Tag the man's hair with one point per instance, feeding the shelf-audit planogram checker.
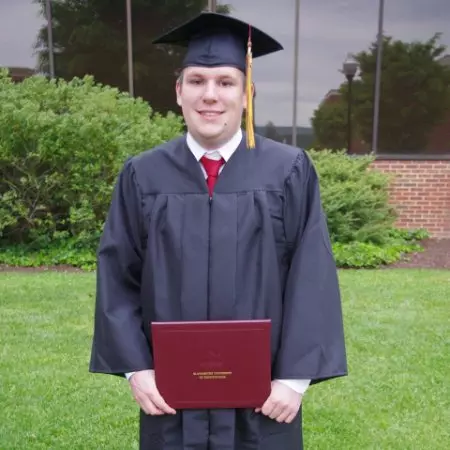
(180, 78)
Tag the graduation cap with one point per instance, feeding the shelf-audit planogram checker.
(214, 40)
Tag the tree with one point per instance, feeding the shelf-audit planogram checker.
(330, 126)
(271, 132)
(90, 37)
(414, 96)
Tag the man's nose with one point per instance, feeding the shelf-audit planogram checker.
(210, 93)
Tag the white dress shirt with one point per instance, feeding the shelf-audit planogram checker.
(225, 152)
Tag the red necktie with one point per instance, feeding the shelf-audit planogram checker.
(212, 168)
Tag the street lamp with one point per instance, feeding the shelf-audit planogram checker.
(349, 69)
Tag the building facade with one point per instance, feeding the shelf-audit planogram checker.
(396, 107)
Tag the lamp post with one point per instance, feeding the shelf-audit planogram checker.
(51, 63)
(349, 68)
(130, 49)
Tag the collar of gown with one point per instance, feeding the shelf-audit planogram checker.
(225, 152)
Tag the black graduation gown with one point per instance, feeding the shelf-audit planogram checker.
(258, 249)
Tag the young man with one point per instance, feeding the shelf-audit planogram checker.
(211, 226)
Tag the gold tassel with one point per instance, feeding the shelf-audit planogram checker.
(249, 92)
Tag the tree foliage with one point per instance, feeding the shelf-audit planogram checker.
(271, 132)
(90, 38)
(330, 125)
(414, 97)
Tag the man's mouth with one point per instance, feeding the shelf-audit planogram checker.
(210, 114)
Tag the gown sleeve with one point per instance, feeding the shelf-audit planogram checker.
(119, 342)
(312, 342)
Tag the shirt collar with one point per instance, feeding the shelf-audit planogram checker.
(226, 151)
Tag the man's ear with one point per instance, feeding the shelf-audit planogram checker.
(178, 88)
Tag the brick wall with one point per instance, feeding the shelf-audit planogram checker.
(421, 193)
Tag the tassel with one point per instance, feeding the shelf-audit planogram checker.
(249, 85)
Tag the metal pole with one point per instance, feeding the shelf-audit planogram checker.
(376, 101)
(51, 61)
(296, 39)
(130, 49)
(212, 5)
(349, 118)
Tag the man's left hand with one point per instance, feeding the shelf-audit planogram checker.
(283, 403)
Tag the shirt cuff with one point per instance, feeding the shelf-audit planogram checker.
(130, 374)
(299, 386)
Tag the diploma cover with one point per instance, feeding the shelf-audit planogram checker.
(212, 364)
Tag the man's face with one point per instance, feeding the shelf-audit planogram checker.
(212, 101)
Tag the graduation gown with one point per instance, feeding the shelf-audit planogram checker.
(258, 249)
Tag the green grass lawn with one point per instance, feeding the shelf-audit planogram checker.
(396, 396)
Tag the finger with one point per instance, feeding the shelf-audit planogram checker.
(268, 407)
(161, 404)
(284, 415)
(147, 405)
(265, 405)
(293, 412)
(156, 412)
(153, 410)
(144, 405)
(291, 417)
(279, 409)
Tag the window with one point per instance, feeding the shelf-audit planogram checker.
(415, 85)
(405, 107)
(330, 33)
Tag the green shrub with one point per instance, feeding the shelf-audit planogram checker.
(364, 255)
(360, 217)
(351, 255)
(61, 147)
(68, 253)
(355, 198)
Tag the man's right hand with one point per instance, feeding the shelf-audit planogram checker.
(146, 394)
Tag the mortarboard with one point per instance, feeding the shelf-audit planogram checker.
(214, 40)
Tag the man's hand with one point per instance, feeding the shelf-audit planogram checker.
(283, 403)
(147, 395)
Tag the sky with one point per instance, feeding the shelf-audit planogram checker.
(19, 25)
(329, 30)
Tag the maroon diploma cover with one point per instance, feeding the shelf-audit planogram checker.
(213, 364)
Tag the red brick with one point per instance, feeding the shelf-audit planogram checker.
(420, 193)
